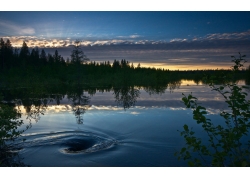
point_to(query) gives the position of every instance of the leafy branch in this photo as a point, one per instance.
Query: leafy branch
(228, 143)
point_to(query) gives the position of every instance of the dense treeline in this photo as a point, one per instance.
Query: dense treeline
(22, 58)
(25, 67)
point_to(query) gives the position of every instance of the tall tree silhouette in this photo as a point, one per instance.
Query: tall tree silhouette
(43, 58)
(34, 57)
(24, 54)
(8, 53)
(16, 57)
(50, 59)
(56, 57)
(77, 55)
(2, 54)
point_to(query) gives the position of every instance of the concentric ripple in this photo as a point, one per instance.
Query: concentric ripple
(71, 142)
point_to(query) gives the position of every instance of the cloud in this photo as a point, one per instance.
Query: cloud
(8, 27)
(229, 36)
(217, 36)
(135, 113)
(178, 40)
(207, 41)
(33, 41)
(27, 31)
(208, 52)
(134, 36)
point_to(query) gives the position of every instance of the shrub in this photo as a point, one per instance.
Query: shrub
(228, 145)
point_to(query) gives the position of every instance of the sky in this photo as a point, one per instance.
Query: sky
(161, 39)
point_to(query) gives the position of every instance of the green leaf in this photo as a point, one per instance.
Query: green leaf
(185, 127)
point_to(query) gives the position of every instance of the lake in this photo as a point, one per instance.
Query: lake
(108, 127)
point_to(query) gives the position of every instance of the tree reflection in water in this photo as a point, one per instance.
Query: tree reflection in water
(174, 85)
(126, 96)
(155, 90)
(35, 109)
(80, 103)
(36, 100)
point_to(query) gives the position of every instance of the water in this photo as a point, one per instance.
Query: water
(123, 127)
(108, 137)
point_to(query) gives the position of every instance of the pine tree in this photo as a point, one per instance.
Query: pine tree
(2, 54)
(139, 65)
(50, 59)
(16, 58)
(56, 57)
(8, 54)
(77, 55)
(43, 58)
(24, 54)
(34, 57)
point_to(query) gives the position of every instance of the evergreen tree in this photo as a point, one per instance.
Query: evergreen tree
(116, 64)
(57, 57)
(132, 66)
(77, 55)
(2, 54)
(43, 58)
(62, 61)
(124, 63)
(139, 65)
(16, 58)
(8, 54)
(67, 61)
(34, 57)
(24, 54)
(50, 59)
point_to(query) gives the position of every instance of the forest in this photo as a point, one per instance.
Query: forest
(32, 66)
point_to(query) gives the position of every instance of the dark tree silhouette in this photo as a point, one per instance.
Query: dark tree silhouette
(56, 57)
(77, 55)
(2, 53)
(34, 57)
(50, 59)
(24, 54)
(8, 54)
(43, 57)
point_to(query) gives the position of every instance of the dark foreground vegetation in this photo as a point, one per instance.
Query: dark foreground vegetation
(228, 142)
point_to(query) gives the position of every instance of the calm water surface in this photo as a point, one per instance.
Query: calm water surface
(116, 128)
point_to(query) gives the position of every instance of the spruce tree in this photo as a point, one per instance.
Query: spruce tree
(8, 54)
(2, 57)
(43, 58)
(77, 55)
(24, 54)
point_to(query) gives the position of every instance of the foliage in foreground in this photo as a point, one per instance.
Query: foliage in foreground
(228, 143)
(9, 123)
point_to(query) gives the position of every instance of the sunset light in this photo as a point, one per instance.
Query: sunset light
(125, 84)
(172, 40)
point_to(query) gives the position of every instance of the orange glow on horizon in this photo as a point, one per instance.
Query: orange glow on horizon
(183, 67)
